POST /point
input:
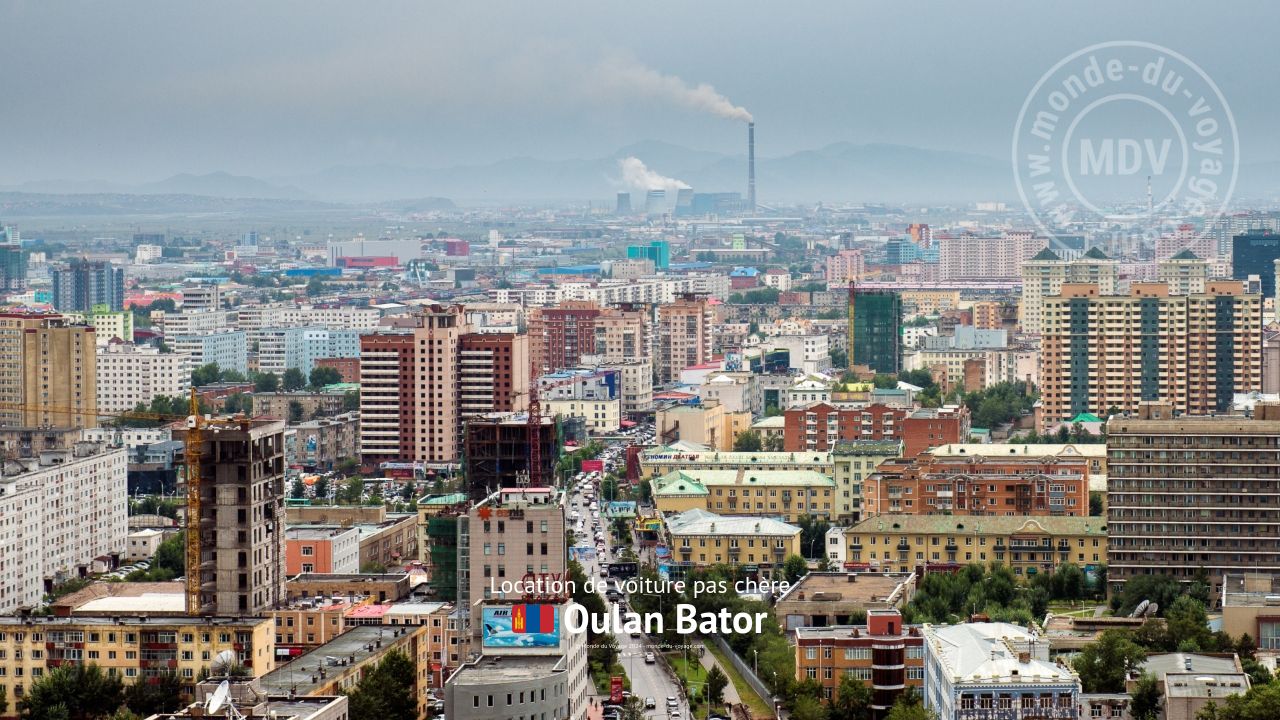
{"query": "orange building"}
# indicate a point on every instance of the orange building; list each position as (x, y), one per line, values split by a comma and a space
(886, 656)
(321, 549)
(818, 427)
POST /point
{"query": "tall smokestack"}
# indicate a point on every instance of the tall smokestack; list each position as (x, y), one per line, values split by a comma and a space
(751, 167)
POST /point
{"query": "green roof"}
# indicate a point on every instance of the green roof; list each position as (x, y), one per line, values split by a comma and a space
(1086, 418)
(1046, 254)
(1185, 254)
(697, 481)
(451, 499)
(1096, 254)
(981, 525)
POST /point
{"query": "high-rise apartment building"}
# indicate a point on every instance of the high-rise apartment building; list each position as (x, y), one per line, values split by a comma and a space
(129, 374)
(198, 297)
(1186, 494)
(419, 385)
(967, 257)
(684, 336)
(1102, 352)
(659, 251)
(1184, 273)
(559, 336)
(497, 451)
(81, 284)
(621, 335)
(64, 509)
(229, 349)
(1044, 275)
(13, 268)
(48, 371)
(242, 520)
(875, 329)
(846, 266)
(1254, 253)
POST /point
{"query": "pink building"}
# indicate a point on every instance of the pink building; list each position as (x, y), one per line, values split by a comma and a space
(846, 267)
(969, 257)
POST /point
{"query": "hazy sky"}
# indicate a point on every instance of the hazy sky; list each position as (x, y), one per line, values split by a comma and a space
(140, 90)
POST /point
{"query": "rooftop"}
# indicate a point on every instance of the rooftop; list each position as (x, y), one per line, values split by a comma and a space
(981, 525)
(1190, 663)
(671, 482)
(487, 670)
(987, 652)
(668, 453)
(307, 673)
(1086, 450)
(701, 522)
(861, 588)
(1200, 685)
(868, 447)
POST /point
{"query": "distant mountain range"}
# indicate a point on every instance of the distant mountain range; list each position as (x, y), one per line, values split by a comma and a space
(840, 172)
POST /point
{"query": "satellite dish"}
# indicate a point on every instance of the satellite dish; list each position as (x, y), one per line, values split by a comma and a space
(219, 698)
(223, 661)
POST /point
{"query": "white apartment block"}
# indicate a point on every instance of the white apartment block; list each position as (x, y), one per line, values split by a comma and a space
(659, 289)
(201, 297)
(280, 349)
(144, 254)
(58, 514)
(129, 374)
(601, 415)
(228, 348)
(528, 296)
(190, 323)
(966, 257)
(1044, 274)
(255, 318)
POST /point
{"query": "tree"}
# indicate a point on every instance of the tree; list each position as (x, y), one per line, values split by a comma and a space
(238, 403)
(884, 381)
(206, 374)
(322, 376)
(1188, 625)
(1259, 703)
(171, 555)
(920, 378)
(1159, 589)
(716, 683)
(747, 441)
(84, 692)
(297, 491)
(350, 400)
(1096, 498)
(294, 380)
(839, 358)
(162, 695)
(1104, 665)
(386, 692)
(808, 708)
(266, 382)
(852, 700)
(352, 491)
(373, 568)
(813, 536)
(794, 568)
(322, 487)
(1144, 702)
(1068, 582)
(295, 411)
(909, 706)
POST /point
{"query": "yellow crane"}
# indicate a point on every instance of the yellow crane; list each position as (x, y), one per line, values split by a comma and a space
(196, 423)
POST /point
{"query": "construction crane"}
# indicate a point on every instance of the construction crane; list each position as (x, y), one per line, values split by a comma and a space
(196, 425)
(535, 427)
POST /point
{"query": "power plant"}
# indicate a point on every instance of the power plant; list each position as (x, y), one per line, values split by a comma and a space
(624, 204)
(751, 167)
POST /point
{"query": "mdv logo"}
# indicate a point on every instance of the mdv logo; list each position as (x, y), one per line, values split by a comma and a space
(1124, 156)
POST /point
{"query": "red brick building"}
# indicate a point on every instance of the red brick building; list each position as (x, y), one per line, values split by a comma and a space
(348, 368)
(559, 336)
(930, 427)
(995, 484)
(821, 425)
(885, 655)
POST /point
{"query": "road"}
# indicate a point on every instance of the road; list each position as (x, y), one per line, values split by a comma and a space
(647, 680)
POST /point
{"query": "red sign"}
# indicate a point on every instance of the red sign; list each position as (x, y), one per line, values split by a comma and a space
(615, 689)
(593, 466)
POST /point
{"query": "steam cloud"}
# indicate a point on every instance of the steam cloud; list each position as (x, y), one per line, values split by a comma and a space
(632, 76)
(639, 177)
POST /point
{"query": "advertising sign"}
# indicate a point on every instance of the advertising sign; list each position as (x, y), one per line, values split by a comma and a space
(615, 689)
(521, 626)
(593, 466)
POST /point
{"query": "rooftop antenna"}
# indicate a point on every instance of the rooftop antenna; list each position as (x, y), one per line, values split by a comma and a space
(222, 697)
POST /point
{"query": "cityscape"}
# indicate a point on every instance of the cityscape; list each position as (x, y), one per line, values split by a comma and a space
(686, 362)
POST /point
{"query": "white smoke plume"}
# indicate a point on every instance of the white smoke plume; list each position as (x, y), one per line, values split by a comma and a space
(637, 176)
(632, 77)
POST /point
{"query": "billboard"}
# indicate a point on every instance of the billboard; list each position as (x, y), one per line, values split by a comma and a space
(593, 466)
(521, 626)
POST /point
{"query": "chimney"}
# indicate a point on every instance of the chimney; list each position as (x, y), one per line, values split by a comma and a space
(751, 167)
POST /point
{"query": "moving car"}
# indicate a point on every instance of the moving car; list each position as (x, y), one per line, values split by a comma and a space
(649, 659)
(650, 703)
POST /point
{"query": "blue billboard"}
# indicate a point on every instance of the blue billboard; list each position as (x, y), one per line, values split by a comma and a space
(520, 626)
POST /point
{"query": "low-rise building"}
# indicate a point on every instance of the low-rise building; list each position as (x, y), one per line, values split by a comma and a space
(602, 415)
(321, 549)
(882, 653)
(980, 670)
(144, 543)
(500, 687)
(710, 424)
(253, 704)
(386, 587)
(324, 442)
(746, 491)
(663, 459)
(313, 404)
(852, 463)
(926, 543)
(143, 648)
(822, 599)
(698, 538)
(307, 625)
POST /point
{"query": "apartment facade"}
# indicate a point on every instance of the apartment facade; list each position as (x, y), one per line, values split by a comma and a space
(1190, 493)
(622, 335)
(929, 543)
(1045, 273)
(883, 654)
(66, 509)
(228, 348)
(48, 367)
(1102, 352)
(853, 463)
(322, 549)
(699, 538)
(967, 257)
(559, 336)
(81, 284)
(684, 336)
(789, 495)
(129, 374)
(846, 266)
(493, 374)
(820, 426)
